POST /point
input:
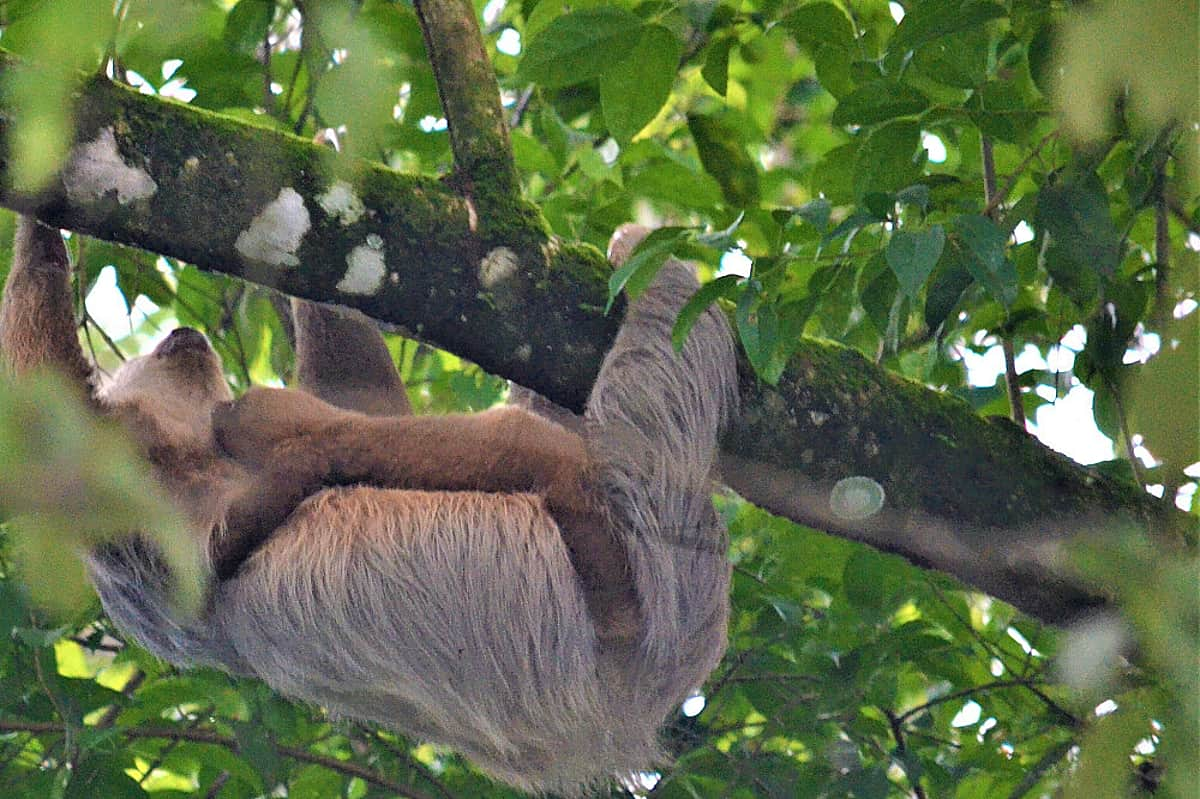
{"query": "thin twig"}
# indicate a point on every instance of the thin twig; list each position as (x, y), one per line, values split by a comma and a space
(1126, 434)
(1162, 254)
(217, 785)
(1035, 774)
(406, 755)
(902, 748)
(229, 742)
(132, 684)
(995, 652)
(965, 693)
(1012, 382)
(1000, 196)
(989, 177)
(89, 323)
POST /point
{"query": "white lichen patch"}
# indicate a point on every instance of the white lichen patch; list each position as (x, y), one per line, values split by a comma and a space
(342, 203)
(497, 266)
(472, 217)
(366, 271)
(275, 234)
(96, 168)
(856, 498)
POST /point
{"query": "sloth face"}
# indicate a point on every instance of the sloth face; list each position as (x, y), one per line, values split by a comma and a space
(167, 397)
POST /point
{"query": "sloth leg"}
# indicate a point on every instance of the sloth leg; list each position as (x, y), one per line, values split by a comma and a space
(37, 314)
(341, 358)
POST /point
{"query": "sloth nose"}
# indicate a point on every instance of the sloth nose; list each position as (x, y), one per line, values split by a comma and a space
(182, 339)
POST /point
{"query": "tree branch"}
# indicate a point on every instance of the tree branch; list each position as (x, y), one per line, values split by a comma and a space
(471, 98)
(976, 498)
(255, 204)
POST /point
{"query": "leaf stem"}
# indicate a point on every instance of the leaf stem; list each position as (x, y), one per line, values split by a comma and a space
(1012, 382)
(991, 204)
(898, 734)
(997, 198)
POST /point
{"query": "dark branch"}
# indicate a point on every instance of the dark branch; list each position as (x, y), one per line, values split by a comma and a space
(978, 499)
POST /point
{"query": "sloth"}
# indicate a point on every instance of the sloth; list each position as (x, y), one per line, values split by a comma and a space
(537, 598)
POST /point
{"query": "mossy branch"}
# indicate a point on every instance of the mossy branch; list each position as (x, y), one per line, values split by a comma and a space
(975, 498)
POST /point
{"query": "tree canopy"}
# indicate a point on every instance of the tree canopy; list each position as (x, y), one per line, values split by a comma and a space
(889, 198)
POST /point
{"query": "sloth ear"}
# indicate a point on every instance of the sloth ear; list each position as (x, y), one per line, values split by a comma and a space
(624, 240)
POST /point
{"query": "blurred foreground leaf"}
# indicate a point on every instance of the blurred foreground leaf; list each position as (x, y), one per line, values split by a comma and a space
(69, 481)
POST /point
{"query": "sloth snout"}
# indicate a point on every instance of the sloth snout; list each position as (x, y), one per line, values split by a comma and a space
(182, 339)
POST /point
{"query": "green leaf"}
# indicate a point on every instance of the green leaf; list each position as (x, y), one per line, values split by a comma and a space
(546, 11)
(643, 263)
(932, 19)
(1161, 396)
(816, 213)
(580, 46)
(1000, 110)
(724, 286)
(670, 181)
(878, 293)
(1041, 58)
(878, 101)
(833, 175)
(1080, 242)
(255, 746)
(817, 24)
(867, 579)
(857, 220)
(988, 263)
(723, 156)
(758, 328)
(102, 774)
(635, 88)
(891, 158)
(1106, 409)
(716, 64)
(1074, 212)
(833, 70)
(533, 156)
(247, 24)
(916, 194)
(721, 239)
(950, 279)
(959, 60)
(912, 256)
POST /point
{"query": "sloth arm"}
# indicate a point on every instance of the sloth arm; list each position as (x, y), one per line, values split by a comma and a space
(37, 313)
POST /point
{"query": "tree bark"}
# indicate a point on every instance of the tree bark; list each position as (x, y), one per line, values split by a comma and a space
(976, 498)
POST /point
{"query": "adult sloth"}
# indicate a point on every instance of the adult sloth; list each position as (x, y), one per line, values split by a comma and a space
(536, 598)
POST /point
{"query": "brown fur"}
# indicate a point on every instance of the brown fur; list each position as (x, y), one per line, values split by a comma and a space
(538, 599)
(297, 445)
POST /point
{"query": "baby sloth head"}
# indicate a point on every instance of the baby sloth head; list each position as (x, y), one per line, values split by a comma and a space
(166, 398)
